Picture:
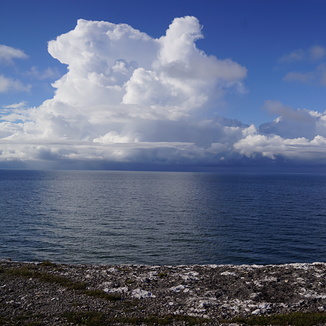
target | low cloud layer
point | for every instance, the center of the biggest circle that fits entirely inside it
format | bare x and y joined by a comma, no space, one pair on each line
128,98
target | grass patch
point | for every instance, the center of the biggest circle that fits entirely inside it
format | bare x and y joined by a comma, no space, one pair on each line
94,318
21,320
49,278
21,271
294,319
103,295
162,274
89,318
166,320
48,263
32,272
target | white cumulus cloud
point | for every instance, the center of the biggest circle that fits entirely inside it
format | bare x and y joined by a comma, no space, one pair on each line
298,149
134,75
293,123
130,98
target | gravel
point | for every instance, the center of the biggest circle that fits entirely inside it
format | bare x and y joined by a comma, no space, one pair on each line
58,294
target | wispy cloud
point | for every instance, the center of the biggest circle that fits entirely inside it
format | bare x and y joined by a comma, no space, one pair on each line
311,54
303,77
8,54
316,76
16,105
294,56
12,85
317,52
309,64
48,73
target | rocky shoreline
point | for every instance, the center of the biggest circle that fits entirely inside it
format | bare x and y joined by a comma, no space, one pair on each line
58,294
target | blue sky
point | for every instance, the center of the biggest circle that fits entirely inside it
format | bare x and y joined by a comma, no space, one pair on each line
266,99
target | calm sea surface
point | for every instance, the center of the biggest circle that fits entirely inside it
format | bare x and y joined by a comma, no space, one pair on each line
105,217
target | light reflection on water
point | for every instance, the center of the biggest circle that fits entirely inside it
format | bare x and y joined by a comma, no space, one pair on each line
162,218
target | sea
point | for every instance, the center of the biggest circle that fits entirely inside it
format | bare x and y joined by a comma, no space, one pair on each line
162,218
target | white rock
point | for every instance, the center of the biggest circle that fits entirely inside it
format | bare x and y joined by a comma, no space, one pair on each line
142,294
177,288
123,289
226,273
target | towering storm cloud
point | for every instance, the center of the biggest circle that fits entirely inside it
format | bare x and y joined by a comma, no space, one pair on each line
128,97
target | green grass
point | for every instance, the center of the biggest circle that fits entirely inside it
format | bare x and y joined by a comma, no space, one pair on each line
21,271
103,295
32,272
89,318
162,274
293,319
21,320
92,318
48,263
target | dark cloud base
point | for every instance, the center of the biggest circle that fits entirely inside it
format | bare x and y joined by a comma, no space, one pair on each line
265,165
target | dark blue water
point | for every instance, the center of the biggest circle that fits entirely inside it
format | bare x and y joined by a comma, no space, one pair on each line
102,217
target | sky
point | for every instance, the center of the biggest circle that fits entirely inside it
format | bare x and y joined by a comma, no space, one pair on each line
176,85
